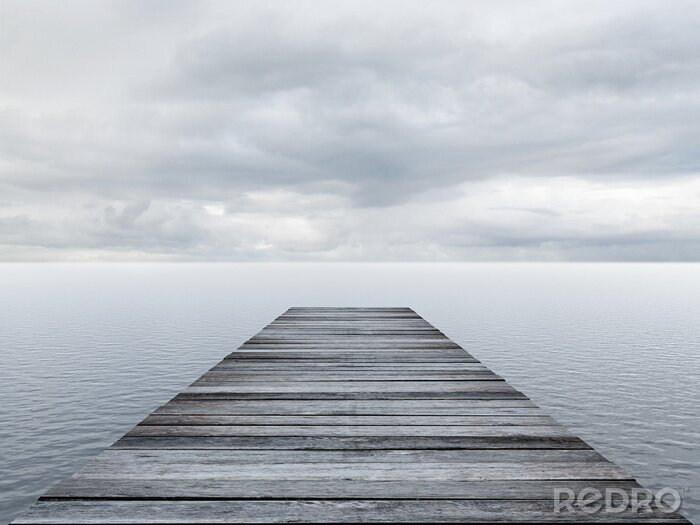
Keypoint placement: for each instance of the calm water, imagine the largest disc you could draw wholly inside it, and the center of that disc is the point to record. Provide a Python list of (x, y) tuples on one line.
[(611, 351)]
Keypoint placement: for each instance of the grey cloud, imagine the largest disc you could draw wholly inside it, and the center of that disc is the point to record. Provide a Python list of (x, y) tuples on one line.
[(14, 225), (372, 115), (212, 130)]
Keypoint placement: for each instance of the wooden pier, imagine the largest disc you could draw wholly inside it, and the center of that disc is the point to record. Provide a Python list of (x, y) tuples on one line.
[(343, 415)]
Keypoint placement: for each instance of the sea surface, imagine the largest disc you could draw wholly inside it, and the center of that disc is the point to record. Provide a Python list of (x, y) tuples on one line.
[(610, 350)]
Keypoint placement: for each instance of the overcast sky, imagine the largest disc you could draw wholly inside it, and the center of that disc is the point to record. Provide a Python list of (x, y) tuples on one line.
[(439, 131)]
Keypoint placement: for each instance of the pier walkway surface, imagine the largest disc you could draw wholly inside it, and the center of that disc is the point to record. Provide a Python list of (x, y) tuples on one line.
[(347, 415)]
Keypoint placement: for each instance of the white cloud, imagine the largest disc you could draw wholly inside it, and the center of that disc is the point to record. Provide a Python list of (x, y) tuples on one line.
[(510, 217)]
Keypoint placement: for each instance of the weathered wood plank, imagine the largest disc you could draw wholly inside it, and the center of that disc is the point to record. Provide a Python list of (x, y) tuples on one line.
[(294, 387), (352, 442), (427, 465), (290, 376), (180, 420), (365, 471), (428, 394), (231, 489), (351, 348), (340, 430), (349, 357), (397, 407), (459, 458), (320, 511), (310, 365), (319, 323)]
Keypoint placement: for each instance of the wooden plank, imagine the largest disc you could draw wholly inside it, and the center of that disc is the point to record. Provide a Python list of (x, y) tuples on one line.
[(144, 460), (386, 395), (320, 511), (231, 489), (365, 471), (320, 323), (340, 430), (428, 465), (434, 394), (351, 442), (321, 362), (294, 387), (391, 349), (399, 407), (291, 376), (350, 357), (489, 420), (312, 365), (353, 335)]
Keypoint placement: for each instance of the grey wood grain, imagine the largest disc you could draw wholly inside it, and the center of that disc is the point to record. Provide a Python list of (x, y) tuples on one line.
[(361, 471), (218, 376), (351, 442), (351, 357), (231, 489), (398, 407), (460, 458), (320, 511), (365, 395), (358, 365), (490, 420), (340, 430), (445, 386), (233, 366)]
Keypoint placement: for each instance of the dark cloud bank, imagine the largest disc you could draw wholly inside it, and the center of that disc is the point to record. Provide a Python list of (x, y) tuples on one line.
[(349, 131)]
